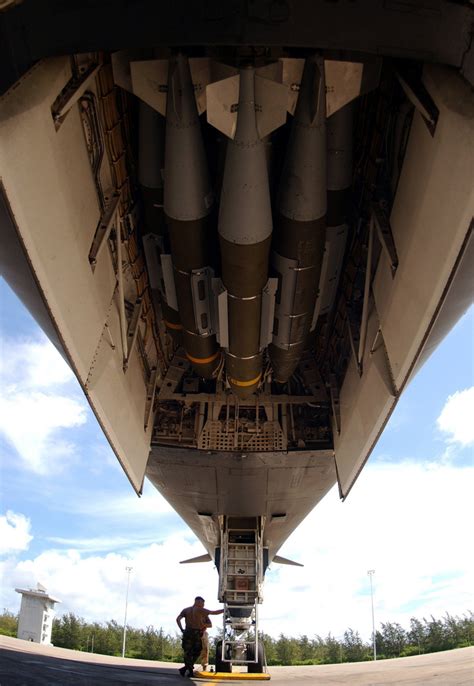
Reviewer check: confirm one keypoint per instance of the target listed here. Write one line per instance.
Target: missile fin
(121, 69)
(149, 80)
(272, 71)
(222, 98)
(345, 81)
(270, 104)
(292, 73)
(200, 75)
(220, 71)
(168, 279)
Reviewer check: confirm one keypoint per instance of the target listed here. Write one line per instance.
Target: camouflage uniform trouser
(192, 646)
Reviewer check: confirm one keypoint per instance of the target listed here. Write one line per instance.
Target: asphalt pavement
(29, 664)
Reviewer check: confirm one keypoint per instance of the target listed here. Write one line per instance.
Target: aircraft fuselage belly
(282, 486)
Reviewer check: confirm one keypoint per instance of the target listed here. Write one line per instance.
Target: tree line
(392, 640)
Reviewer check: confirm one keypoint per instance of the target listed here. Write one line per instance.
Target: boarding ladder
(240, 588)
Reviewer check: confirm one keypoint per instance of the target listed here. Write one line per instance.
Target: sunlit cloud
(93, 586)
(39, 400)
(408, 521)
(15, 533)
(456, 418)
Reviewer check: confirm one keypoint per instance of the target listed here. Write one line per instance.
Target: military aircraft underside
(244, 251)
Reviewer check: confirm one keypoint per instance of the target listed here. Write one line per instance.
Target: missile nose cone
(245, 215)
(180, 104)
(302, 193)
(245, 227)
(311, 105)
(187, 193)
(246, 131)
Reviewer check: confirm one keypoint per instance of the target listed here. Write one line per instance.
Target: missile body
(151, 151)
(339, 133)
(299, 237)
(339, 200)
(245, 227)
(188, 201)
(339, 146)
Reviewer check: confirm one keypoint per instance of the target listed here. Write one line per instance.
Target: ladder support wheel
(259, 666)
(221, 666)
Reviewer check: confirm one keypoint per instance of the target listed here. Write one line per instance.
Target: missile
(151, 139)
(339, 147)
(245, 228)
(188, 203)
(339, 199)
(299, 237)
(151, 147)
(339, 136)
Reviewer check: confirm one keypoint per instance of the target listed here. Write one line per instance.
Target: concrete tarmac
(29, 664)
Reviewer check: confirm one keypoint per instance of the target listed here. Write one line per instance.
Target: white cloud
(39, 398)
(410, 522)
(456, 418)
(94, 586)
(15, 533)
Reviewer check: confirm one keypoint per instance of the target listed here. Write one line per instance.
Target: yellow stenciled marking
(172, 326)
(230, 676)
(203, 360)
(238, 382)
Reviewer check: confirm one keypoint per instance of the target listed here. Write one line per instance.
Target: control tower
(36, 615)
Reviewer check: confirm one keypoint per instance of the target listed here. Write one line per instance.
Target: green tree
(305, 649)
(333, 650)
(287, 650)
(270, 648)
(393, 641)
(466, 628)
(319, 650)
(8, 623)
(435, 635)
(70, 631)
(452, 631)
(67, 631)
(416, 636)
(149, 644)
(354, 648)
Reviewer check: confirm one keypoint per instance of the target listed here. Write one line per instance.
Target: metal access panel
(431, 221)
(49, 189)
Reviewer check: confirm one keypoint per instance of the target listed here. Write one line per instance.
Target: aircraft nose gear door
(241, 573)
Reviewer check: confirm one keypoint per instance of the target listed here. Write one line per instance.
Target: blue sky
(450, 369)
(70, 519)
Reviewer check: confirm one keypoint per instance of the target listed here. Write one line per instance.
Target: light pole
(371, 572)
(128, 569)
